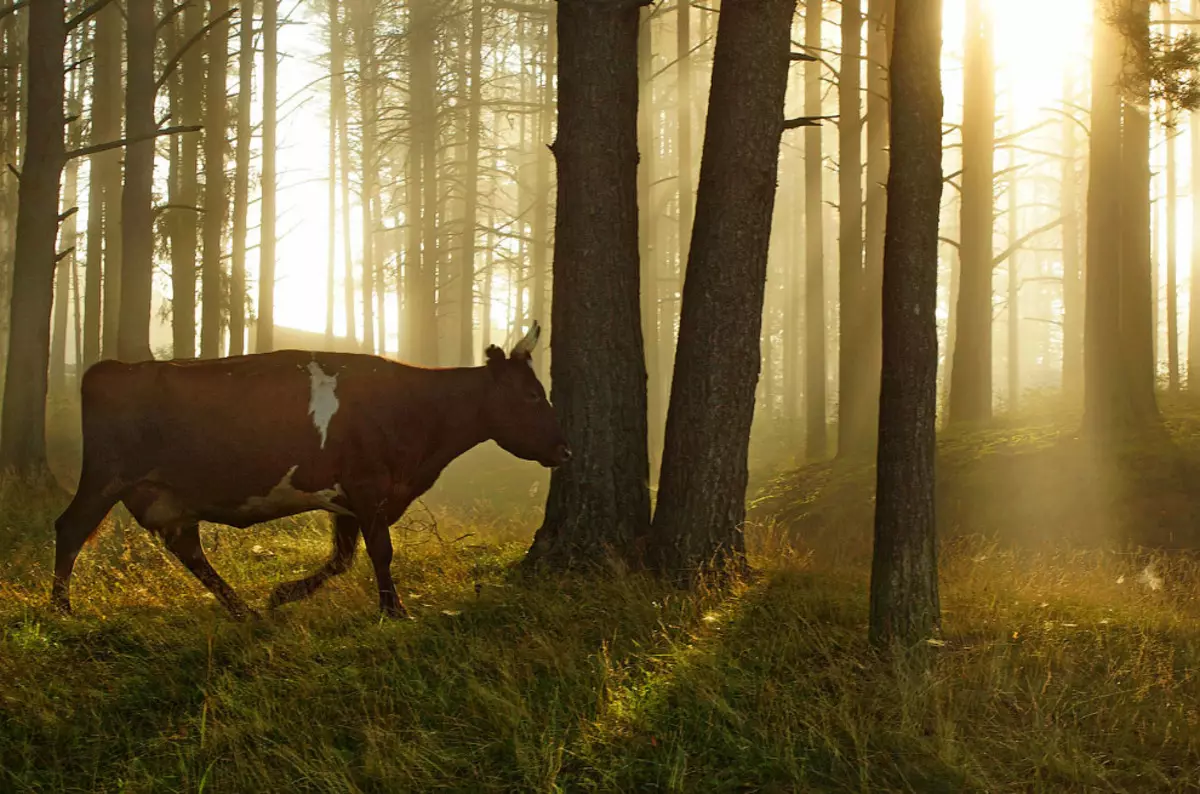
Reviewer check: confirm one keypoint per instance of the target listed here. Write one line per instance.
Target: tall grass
(1062, 668)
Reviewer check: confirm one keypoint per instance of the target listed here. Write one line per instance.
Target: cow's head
(519, 417)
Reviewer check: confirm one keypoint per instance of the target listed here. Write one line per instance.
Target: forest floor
(1068, 662)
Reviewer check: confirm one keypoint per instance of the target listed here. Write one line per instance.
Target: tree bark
(111, 173)
(698, 522)
(816, 443)
(1172, 249)
(971, 379)
(215, 131)
(241, 182)
(266, 264)
(1136, 291)
(340, 114)
(599, 503)
(853, 430)
(23, 417)
(541, 201)
(137, 212)
(904, 587)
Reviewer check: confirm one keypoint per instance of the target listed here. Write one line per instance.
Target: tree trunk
(648, 144)
(111, 172)
(467, 352)
(340, 114)
(215, 129)
(266, 265)
(971, 380)
(68, 236)
(23, 417)
(1013, 303)
(1072, 292)
(184, 222)
(364, 43)
(1136, 291)
(599, 503)
(698, 522)
(904, 585)
(816, 444)
(880, 14)
(683, 120)
(137, 212)
(853, 430)
(241, 183)
(1193, 344)
(541, 202)
(106, 126)
(423, 186)
(1172, 253)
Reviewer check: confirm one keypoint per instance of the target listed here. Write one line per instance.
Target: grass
(1065, 666)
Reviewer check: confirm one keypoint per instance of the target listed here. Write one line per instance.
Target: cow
(253, 438)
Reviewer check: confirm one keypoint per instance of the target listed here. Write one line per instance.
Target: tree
(600, 502)
(904, 587)
(971, 375)
(814, 236)
(23, 417)
(701, 499)
(137, 211)
(241, 182)
(270, 102)
(853, 430)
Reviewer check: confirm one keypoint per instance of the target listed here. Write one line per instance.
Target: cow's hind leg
(87, 509)
(345, 540)
(184, 543)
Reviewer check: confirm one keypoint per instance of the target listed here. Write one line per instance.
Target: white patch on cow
(284, 499)
(323, 403)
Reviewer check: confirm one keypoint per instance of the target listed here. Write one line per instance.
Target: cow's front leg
(378, 539)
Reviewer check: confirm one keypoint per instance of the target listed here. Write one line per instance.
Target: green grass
(1064, 667)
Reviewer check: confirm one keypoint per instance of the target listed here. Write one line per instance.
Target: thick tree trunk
(904, 581)
(266, 264)
(23, 418)
(215, 130)
(241, 182)
(971, 380)
(853, 407)
(1137, 293)
(816, 444)
(106, 126)
(423, 186)
(137, 212)
(698, 522)
(599, 503)
(1109, 404)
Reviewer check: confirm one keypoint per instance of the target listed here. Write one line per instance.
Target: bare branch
(86, 14)
(64, 255)
(187, 45)
(1016, 246)
(87, 151)
(805, 121)
(63, 216)
(12, 8)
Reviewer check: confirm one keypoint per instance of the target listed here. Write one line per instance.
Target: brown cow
(248, 439)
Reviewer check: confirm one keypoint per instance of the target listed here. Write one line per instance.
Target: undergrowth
(1062, 666)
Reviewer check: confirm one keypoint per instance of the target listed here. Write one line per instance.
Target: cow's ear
(494, 355)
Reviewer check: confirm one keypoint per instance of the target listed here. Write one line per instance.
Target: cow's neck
(456, 422)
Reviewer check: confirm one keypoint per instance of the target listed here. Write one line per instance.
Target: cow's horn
(526, 345)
